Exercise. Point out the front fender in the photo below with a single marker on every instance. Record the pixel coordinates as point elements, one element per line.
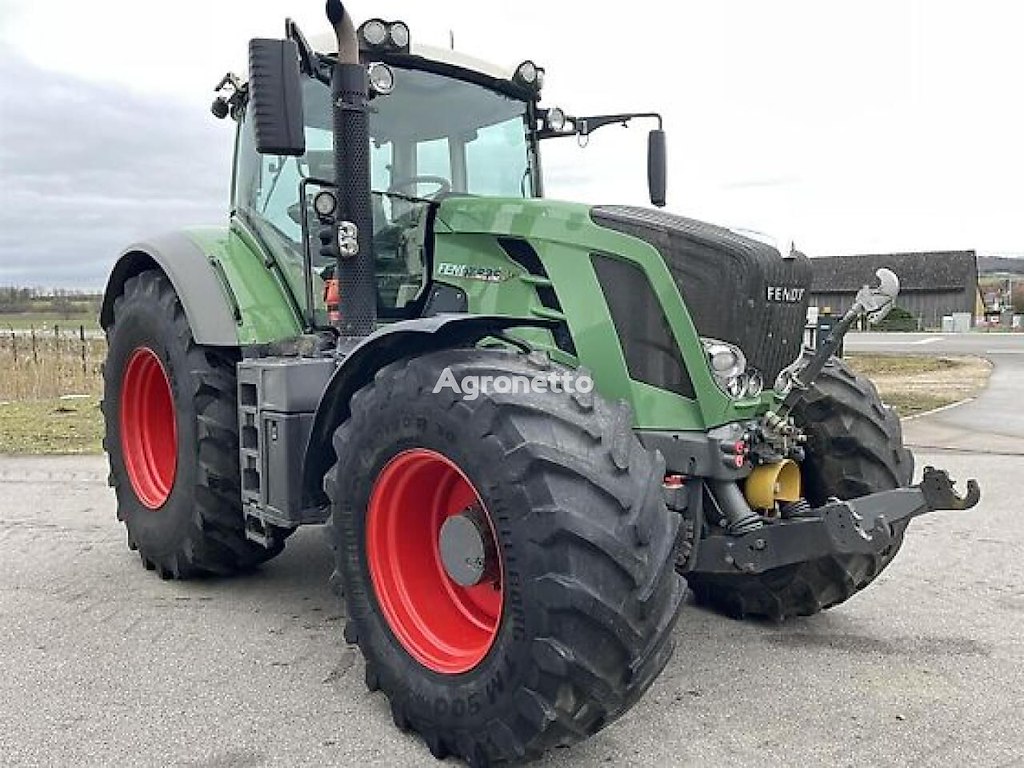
<point>226,286</point>
<point>357,369</point>
<point>212,316</point>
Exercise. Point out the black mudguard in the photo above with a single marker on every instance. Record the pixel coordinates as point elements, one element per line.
<point>196,283</point>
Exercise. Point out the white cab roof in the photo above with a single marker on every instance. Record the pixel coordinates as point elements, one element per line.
<point>326,43</point>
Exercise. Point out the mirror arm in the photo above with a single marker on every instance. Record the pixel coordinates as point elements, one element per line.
<point>587,125</point>
<point>584,126</point>
<point>307,57</point>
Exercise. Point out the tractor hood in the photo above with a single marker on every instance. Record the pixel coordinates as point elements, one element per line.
<point>735,288</point>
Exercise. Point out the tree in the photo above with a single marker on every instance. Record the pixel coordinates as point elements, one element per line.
<point>64,306</point>
<point>15,299</point>
<point>899,319</point>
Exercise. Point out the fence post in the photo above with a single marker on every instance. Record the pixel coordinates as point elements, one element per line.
<point>59,355</point>
<point>35,349</point>
<point>14,344</point>
<point>81,337</point>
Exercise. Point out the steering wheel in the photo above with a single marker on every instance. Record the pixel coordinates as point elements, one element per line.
<point>444,186</point>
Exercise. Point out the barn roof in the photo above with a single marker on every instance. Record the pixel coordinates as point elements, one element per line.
<point>934,271</point>
<point>994,265</point>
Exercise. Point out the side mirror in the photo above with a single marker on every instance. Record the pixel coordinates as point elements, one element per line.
<point>657,169</point>
<point>275,97</point>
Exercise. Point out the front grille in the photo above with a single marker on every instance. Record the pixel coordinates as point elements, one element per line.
<point>640,323</point>
<point>734,286</point>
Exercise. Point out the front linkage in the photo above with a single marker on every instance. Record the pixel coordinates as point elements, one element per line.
<point>864,526</point>
<point>750,545</point>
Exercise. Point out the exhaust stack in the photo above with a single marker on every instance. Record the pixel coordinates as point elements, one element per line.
<point>355,271</point>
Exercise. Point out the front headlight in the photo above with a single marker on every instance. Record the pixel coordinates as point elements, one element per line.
<point>729,367</point>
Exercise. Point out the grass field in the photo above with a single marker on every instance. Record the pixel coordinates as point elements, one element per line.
<point>49,400</point>
<point>50,390</point>
<point>47,366</point>
<point>51,426</point>
<point>913,385</point>
<point>45,321</point>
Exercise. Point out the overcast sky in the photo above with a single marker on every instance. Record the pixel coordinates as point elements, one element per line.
<point>847,127</point>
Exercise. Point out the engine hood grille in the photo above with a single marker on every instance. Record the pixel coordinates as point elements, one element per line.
<point>736,288</point>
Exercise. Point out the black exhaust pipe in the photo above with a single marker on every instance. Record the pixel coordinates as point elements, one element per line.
<point>357,280</point>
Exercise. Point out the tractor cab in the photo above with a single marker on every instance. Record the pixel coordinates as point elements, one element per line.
<point>441,125</point>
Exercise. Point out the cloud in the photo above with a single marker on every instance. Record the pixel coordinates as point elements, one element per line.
<point>89,167</point>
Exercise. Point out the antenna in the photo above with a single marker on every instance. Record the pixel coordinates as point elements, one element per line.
<point>451,38</point>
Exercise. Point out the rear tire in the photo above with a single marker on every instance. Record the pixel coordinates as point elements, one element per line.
<point>586,545</point>
<point>183,508</point>
<point>855,448</point>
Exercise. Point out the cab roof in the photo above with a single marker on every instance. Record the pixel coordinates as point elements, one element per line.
<point>327,44</point>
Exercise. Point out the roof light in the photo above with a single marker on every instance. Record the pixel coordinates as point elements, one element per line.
<point>377,34</point>
<point>528,75</point>
<point>399,34</point>
<point>374,32</point>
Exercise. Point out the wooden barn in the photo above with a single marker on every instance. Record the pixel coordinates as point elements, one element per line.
<point>933,285</point>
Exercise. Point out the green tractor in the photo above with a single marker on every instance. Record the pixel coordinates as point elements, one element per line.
<point>527,424</point>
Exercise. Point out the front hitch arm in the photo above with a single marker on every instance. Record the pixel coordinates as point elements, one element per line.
<point>863,526</point>
<point>874,303</point>
<point>939,493</point>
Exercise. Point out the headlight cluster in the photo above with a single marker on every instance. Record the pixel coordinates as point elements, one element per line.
<point>377,34</point>
<point>729,367</point>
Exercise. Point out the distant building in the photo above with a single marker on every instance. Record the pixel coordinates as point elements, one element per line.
<point>1001,265</point>
<point>932,285</point>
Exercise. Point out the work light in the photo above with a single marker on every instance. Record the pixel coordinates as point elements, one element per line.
<point>399,34</point>
<point>374,32</point>
<point>556,120</point>
<point>382,79</point>
<point>527,72</point>
<point>377,34</point>
<point>325,204</point>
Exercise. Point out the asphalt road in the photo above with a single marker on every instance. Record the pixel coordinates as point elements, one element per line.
<point>994,422</point>
<point>101,663</point>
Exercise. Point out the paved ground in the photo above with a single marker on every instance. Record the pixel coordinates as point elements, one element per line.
<point>994,423</point>
<point>102,663</point>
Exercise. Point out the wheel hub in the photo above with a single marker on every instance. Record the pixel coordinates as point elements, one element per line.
<point>434,562</point>
<point>467,548</point>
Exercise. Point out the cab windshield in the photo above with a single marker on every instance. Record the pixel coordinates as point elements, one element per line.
<point>431,137</point>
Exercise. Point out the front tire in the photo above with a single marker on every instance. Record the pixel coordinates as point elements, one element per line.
<point>585,552</point>
<point>172,438</point>
<point>855,448</point>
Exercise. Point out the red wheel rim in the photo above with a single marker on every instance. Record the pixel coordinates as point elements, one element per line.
<point>446,627</point>
<point>149,433</point>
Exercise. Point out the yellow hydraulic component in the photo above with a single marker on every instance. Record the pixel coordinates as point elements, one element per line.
<point>773,482</point>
